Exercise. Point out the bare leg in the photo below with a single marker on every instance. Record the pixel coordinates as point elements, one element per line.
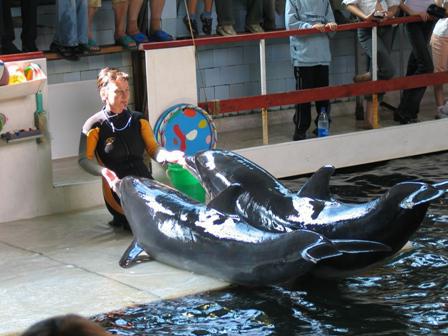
<point>91,14</point>
<point>133,12</point>
<point>156,7</point>
<point>192,4</point>
<point>438,94</point>
<point>208,5</point>
<point>120,14</point>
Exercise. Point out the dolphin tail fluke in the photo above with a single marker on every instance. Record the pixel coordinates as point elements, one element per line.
<point>318,185</point>
<point>134,255</point>
<point>359,246</point>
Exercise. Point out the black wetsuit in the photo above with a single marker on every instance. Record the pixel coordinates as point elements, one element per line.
<point>118,143</point>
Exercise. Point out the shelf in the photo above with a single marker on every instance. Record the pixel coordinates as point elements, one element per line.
<point>21,135</point>
<point>21,90</point>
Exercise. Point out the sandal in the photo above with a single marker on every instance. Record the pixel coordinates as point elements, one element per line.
<point>160,36</point>
<point>139,37</point>
<point>126,42</point>
<point>93,46</point>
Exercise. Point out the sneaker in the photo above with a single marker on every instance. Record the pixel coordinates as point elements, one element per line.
<point>160,36</point>
<point>29,46</point>
<point>254,28</point>
<point>207,23</point>
<point>67,53</point>
<point>442,112</point>
<point>8,48</point>
<point>82,50</point>
<point>225,30</point>
<point>298,136</point>
<point>363,77</point>
<point>194,26</point>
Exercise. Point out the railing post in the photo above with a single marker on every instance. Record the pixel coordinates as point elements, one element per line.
<point>374,118</point>
<point>264,111</point>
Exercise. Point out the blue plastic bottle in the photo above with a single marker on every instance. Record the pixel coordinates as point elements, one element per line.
<point>323,123</point>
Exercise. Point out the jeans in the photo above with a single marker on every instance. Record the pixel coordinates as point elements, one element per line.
<point>385,38</point>
<point>71,25</point>
<point>420,62</point>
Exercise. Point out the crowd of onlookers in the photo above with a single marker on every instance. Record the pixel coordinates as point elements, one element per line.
<point>74,22</point>
<point>311,54</point>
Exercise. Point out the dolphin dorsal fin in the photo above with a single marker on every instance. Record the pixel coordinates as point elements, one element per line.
<point>133,255</point>
<point>318,185</point>
<point>226,200</point>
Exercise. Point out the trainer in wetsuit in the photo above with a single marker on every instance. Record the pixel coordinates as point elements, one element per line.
<point>116,138</point>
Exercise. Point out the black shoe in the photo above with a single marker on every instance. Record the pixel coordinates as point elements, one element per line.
<point>120,224</point>
<point>82,50</point>
<point>298,136</point>
<point>10,48</point>
<point>29,46</point>
<point>194,25</point>
<point>403,120</point>
<point>207,23</point>
<point>67,53</point>
<point>409,121</point>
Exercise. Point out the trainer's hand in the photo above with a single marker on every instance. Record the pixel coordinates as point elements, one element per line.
<point>111,178</point>
<point>175,156</point>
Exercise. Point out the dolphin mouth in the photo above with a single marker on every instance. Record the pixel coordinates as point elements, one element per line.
<point>423,195</point>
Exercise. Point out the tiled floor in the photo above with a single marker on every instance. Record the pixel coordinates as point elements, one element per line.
<point>69,264</point>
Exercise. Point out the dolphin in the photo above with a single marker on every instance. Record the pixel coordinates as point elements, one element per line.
<point>178,231</point>
<point>268,205</point>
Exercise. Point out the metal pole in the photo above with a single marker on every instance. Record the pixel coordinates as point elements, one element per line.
<point>373,117</point>
<point>264,111</point>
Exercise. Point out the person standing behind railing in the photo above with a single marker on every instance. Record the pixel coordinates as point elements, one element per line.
<point>366,10</point>
<point>224,11</point>
<point>70,39</point>
<point>311,55</point>
<point>190,20</point>
<point>439,45</point>
<point>420,61</point>
<point>29,26</point>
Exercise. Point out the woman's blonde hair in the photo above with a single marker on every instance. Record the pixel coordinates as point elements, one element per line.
<point>110,74</point>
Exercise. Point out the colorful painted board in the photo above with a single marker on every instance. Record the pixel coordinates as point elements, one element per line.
<point>187,128</point>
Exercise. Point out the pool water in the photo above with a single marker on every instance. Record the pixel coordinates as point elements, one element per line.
<point>407,295</point>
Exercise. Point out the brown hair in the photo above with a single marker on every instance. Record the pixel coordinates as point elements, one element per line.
<point>65,325</point>
<point>107,74</point>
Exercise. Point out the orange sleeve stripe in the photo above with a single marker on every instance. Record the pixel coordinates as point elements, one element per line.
<point>92,140</point>
<point>110,199</point>
<point>148,137</point>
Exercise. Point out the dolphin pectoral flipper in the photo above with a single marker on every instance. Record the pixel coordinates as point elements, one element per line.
<point>441,186</point>
<point>133,255</point>
<point>226,200</point>
<point>318,185</point>
<point>320,249</point>
<point>359,246</point>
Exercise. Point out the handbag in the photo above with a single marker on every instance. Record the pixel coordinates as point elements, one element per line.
<point>436,11</point>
